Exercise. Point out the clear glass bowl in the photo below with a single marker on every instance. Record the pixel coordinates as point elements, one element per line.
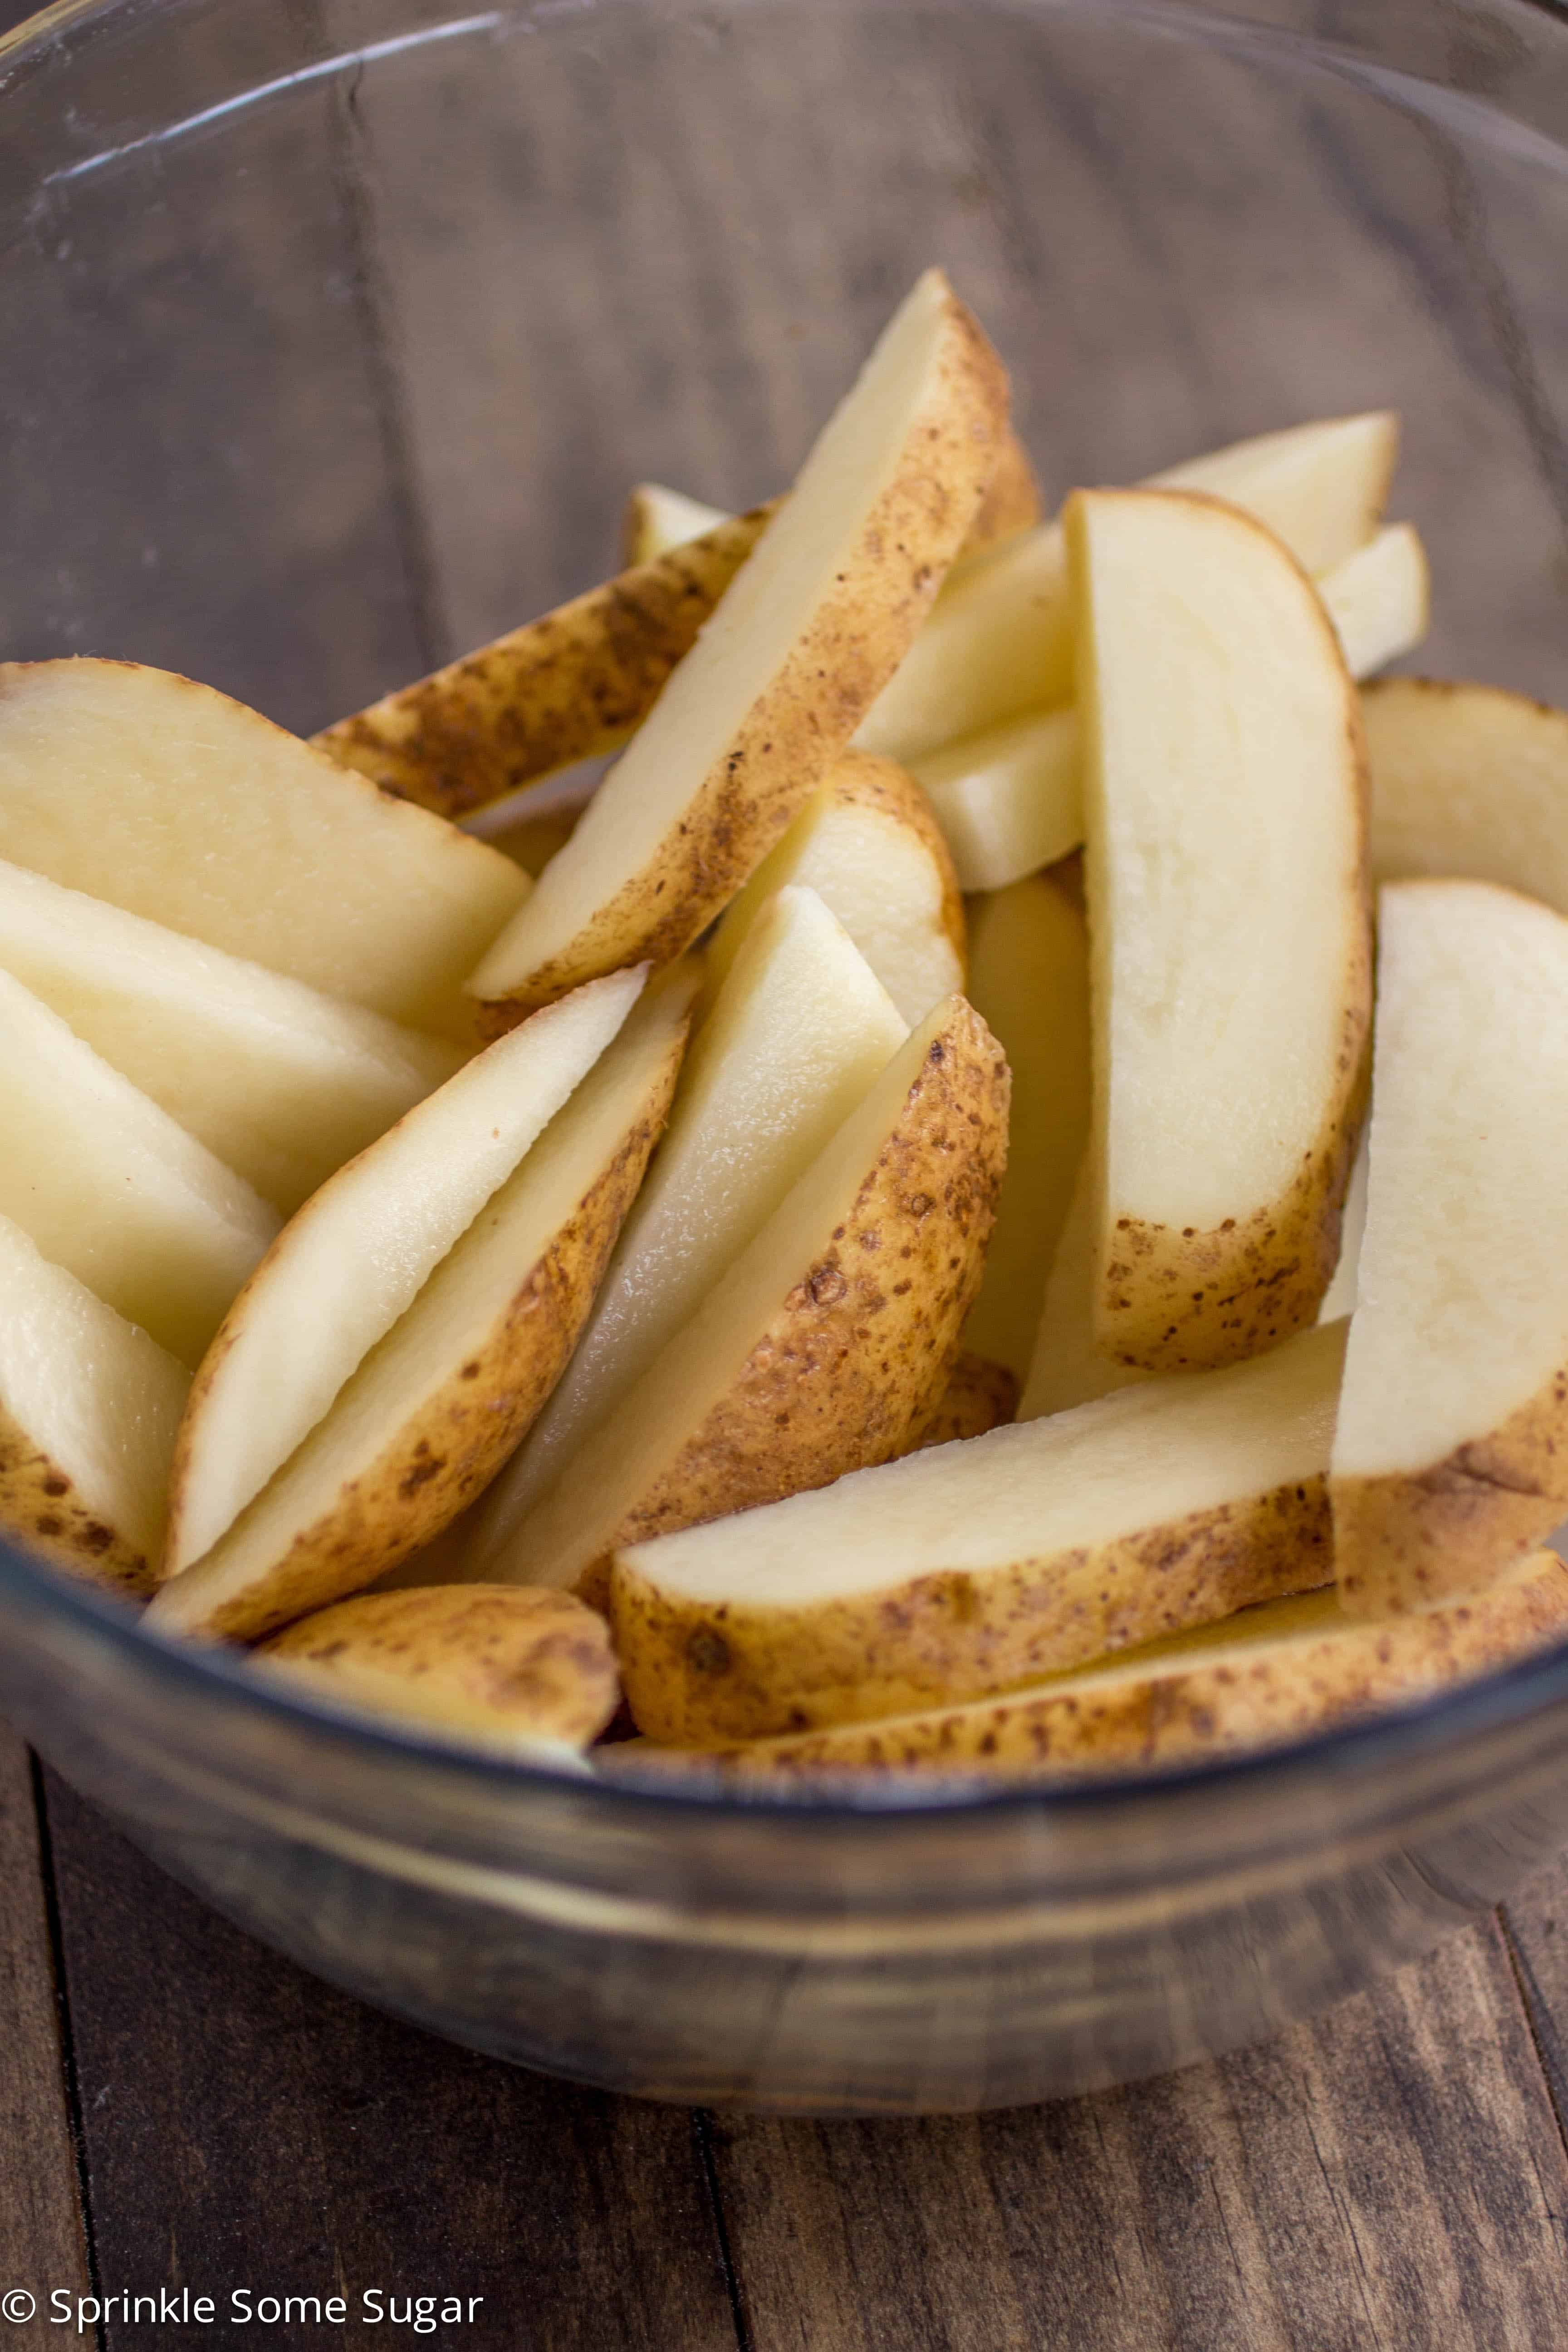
<point>333,331</point>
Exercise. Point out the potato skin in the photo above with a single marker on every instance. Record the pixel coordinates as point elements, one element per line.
<point>850,1359</point>
<point>978,1394</point>
<point>436,1465</point>
<point>1184,1715</point>
<point>1012,501</point>
<point>497,1662</point>
<point>700,1674</point>
<point>565,687</point>
<point>810,706</point>
<point>1410,1538</point>
<point>40,1510</point>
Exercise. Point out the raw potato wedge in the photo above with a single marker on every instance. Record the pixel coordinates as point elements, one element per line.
<point>568,687</point>
<point>1030,983</point>
<point>501,1666</point>
<point>980,1394</point>
<point>1466,779</point>
<point>657,518</point>
<point>89,1408</point>
<point>812,625</point>
<point>1067,1367</point>
<point>1001,639</point>
<point>435,1408</point>
<point>867,845</point>
<point>964,1570</point>
<point>1452,1449</point>
<point>354,1259</point>
<point>110,1189</point>
<point>282,1083</point>
<point>167,799</point>
<point>797,1034</point>
<point>1340,1298</point>
<point>1281,1670</point>
<point>1010,799</point>
<point>828,1339</point>
<point>1225,808</point>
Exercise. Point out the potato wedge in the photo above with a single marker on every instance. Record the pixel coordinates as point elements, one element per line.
<point>1068,1366</point>
<point>1451,1454</point>
<point>89,1408</point>
<point>1001,640</point>
<point>867,845</point>
<point>498,1666</point>
<point>823,1344</point>
<point>1466,779</point>
<point>568,687</point>
<point>1010,799</point>
<point>282,1083</point>
<point>1030,983</point>
<point>980,1394</point>
<point>966,1570</point>
<point>656,519</point>
<point>1225,804</point>
<point>814,624</point>
<point>1340,1298</point>
<point>354,1259</point>
<point>1281,1670</point>
<point>167,799</point>
<point>437,1404</point>
<point>797,1034</point>
<point>110,1189</point>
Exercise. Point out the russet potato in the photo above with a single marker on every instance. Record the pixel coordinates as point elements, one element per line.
<point>1451,1454</point>
<point>965,1569</point>
<point>978,1394</point>
<point>827,1340</point>
<point>1467,780</point>
<point>812,625</point>
<point>1226,815</point>
<point>435,1407</point>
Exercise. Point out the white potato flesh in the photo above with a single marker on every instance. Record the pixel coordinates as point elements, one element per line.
<point>658,519</point>
<point>764,617</point>
<point>999,639</point>
<point>1379,599</point>
<point>1468,780</point>
<point>1147,1457</point>
<point>480,1286</point>
<point>1066,1365</point>
<point>95,1396</point>
<point>110,1188</point>
<point>880,880</point>
<point>1462,1295</point>
<point>1010,799</point>
<point>1029,981</point>
<point>167,799</point>
<point>797,1034</point>
<point>356,1256</point>
<point>282,1083</point>
<point>1340,1298</point>
<point>1225,807</point>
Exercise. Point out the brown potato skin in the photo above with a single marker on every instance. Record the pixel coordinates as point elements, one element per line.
<point>1012,501</point>
<point>1182,1716</point>
<point>565,687</point>
<point>702,1674</point>
<point>495,1660</point>
<point>849,1361</point>
<point>40,1511</point>
<point>1407,1540</point>
<point>436,1465</point>
<point>866,780</point>
<point>804,715</point>
<point>979,1394</point>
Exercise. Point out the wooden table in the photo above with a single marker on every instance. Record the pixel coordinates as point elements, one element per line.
<point>180,2108</point>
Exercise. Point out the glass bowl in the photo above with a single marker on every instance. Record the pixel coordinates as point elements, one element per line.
<point>334,333</point>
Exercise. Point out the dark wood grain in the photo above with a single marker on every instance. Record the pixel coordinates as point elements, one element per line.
<point>244,2125</point>
<point>1390,2174</point>
<point>41,2238</point>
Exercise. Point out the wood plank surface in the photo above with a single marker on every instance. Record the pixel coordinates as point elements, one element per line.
<point>1390,2174</point>
<point>41,2235</point>
<point>245,2126</point>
